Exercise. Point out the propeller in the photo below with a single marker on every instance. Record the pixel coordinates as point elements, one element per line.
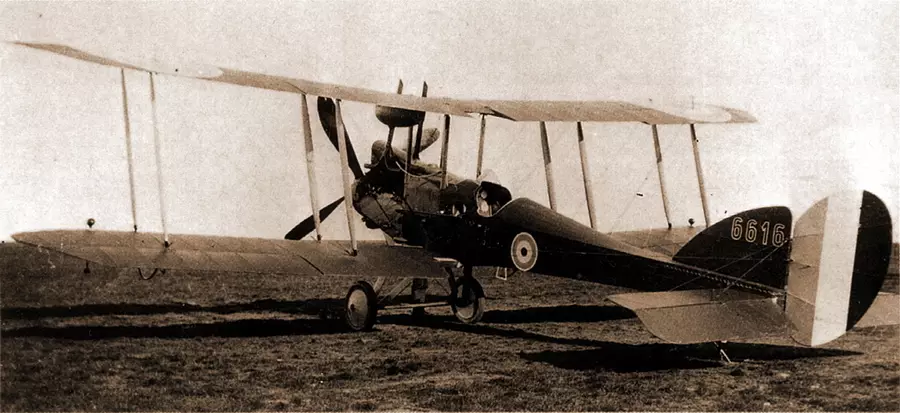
<point>327,117</point>
<point>308,225</point>
<point>329,124</point>
<point>326,108</point>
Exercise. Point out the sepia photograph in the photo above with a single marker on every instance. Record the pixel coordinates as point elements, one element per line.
<point>411,205</point>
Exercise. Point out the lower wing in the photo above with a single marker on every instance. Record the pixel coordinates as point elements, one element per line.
<point>252,255</point>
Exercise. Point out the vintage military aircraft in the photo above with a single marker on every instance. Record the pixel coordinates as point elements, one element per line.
<point>754,274</point>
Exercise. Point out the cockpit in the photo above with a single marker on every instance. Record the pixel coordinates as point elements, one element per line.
<point>468,198</point>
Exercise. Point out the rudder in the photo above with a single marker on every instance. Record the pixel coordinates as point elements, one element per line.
<point>841,248</point>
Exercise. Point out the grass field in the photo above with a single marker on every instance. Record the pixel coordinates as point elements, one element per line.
<point>205,341</point>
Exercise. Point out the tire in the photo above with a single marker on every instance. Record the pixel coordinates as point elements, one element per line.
<point>361,307</point>
<point>468,301</point>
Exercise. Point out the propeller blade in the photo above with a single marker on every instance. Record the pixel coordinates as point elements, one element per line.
<point>326,116</point>
<point>425,139</point>
<point>390,137</point>
<point>430,136</point>
<point>308,225</point>
<point>418,149</point>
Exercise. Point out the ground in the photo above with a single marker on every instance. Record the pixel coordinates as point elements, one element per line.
<point>214,341</point>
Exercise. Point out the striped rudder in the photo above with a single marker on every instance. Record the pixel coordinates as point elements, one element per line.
<point>839,257</point>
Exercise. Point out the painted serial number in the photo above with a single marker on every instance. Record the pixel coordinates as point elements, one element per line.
<point>754,231</point>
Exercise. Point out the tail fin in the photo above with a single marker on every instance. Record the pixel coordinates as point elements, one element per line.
<point>840,255</point>
<point>753,245</point>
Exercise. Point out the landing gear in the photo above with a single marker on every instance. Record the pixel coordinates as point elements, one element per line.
<point>465,298</point>
<point>361,306</point>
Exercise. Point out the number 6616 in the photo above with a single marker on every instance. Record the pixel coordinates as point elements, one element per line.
<point>754,231</point>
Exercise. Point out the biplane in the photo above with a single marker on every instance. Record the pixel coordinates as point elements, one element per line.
<point>755,274</point>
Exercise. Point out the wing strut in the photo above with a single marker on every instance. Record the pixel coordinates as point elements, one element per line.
<point>662,178</point>
<point>157,145</point>
<point>480,147</point>
<point>548,168</point>
<point>703,200</point>
<point>310,165</point>
<point>128,151</point>
<point>444,146</point>
<point>345,174</point>
<point>586,174</point>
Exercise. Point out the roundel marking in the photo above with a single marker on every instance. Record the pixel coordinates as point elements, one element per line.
<point>524,251</point>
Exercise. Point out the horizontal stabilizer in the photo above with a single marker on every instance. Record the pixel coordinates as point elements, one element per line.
<point>699,316</point>
<point>885,311</point>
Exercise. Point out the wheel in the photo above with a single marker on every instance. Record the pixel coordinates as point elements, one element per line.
<point>361,307</point>
<point>467,301</point>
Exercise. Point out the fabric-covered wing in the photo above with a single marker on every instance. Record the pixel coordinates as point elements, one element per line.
<point>516,110</point>
<point>254,255</point>
<point>660,240</point>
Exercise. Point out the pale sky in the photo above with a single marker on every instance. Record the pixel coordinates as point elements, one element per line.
<point>821,77</point>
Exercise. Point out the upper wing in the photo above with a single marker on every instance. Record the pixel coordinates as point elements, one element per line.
<point>255,255</point>
<point>516,110</point>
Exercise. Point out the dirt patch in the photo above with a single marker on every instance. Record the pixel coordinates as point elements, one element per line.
<point>214,342</point>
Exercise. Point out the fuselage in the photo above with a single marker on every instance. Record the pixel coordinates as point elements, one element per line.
<point>407,203</point>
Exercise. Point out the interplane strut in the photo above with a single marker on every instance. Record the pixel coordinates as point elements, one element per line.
<point>345,174</point>
<point>703,200</point>
<point>548,168</point>
<point>586,174</point>
<point>129,151</point>
<point>310,165</point>
<point>157,142</point>
<point>662,178</point>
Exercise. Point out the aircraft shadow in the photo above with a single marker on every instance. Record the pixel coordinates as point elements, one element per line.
<point>561,313</point>
<point>306,307</point>
<point>325,309</point>
<point>623,357</point>
<point>237,328</point>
